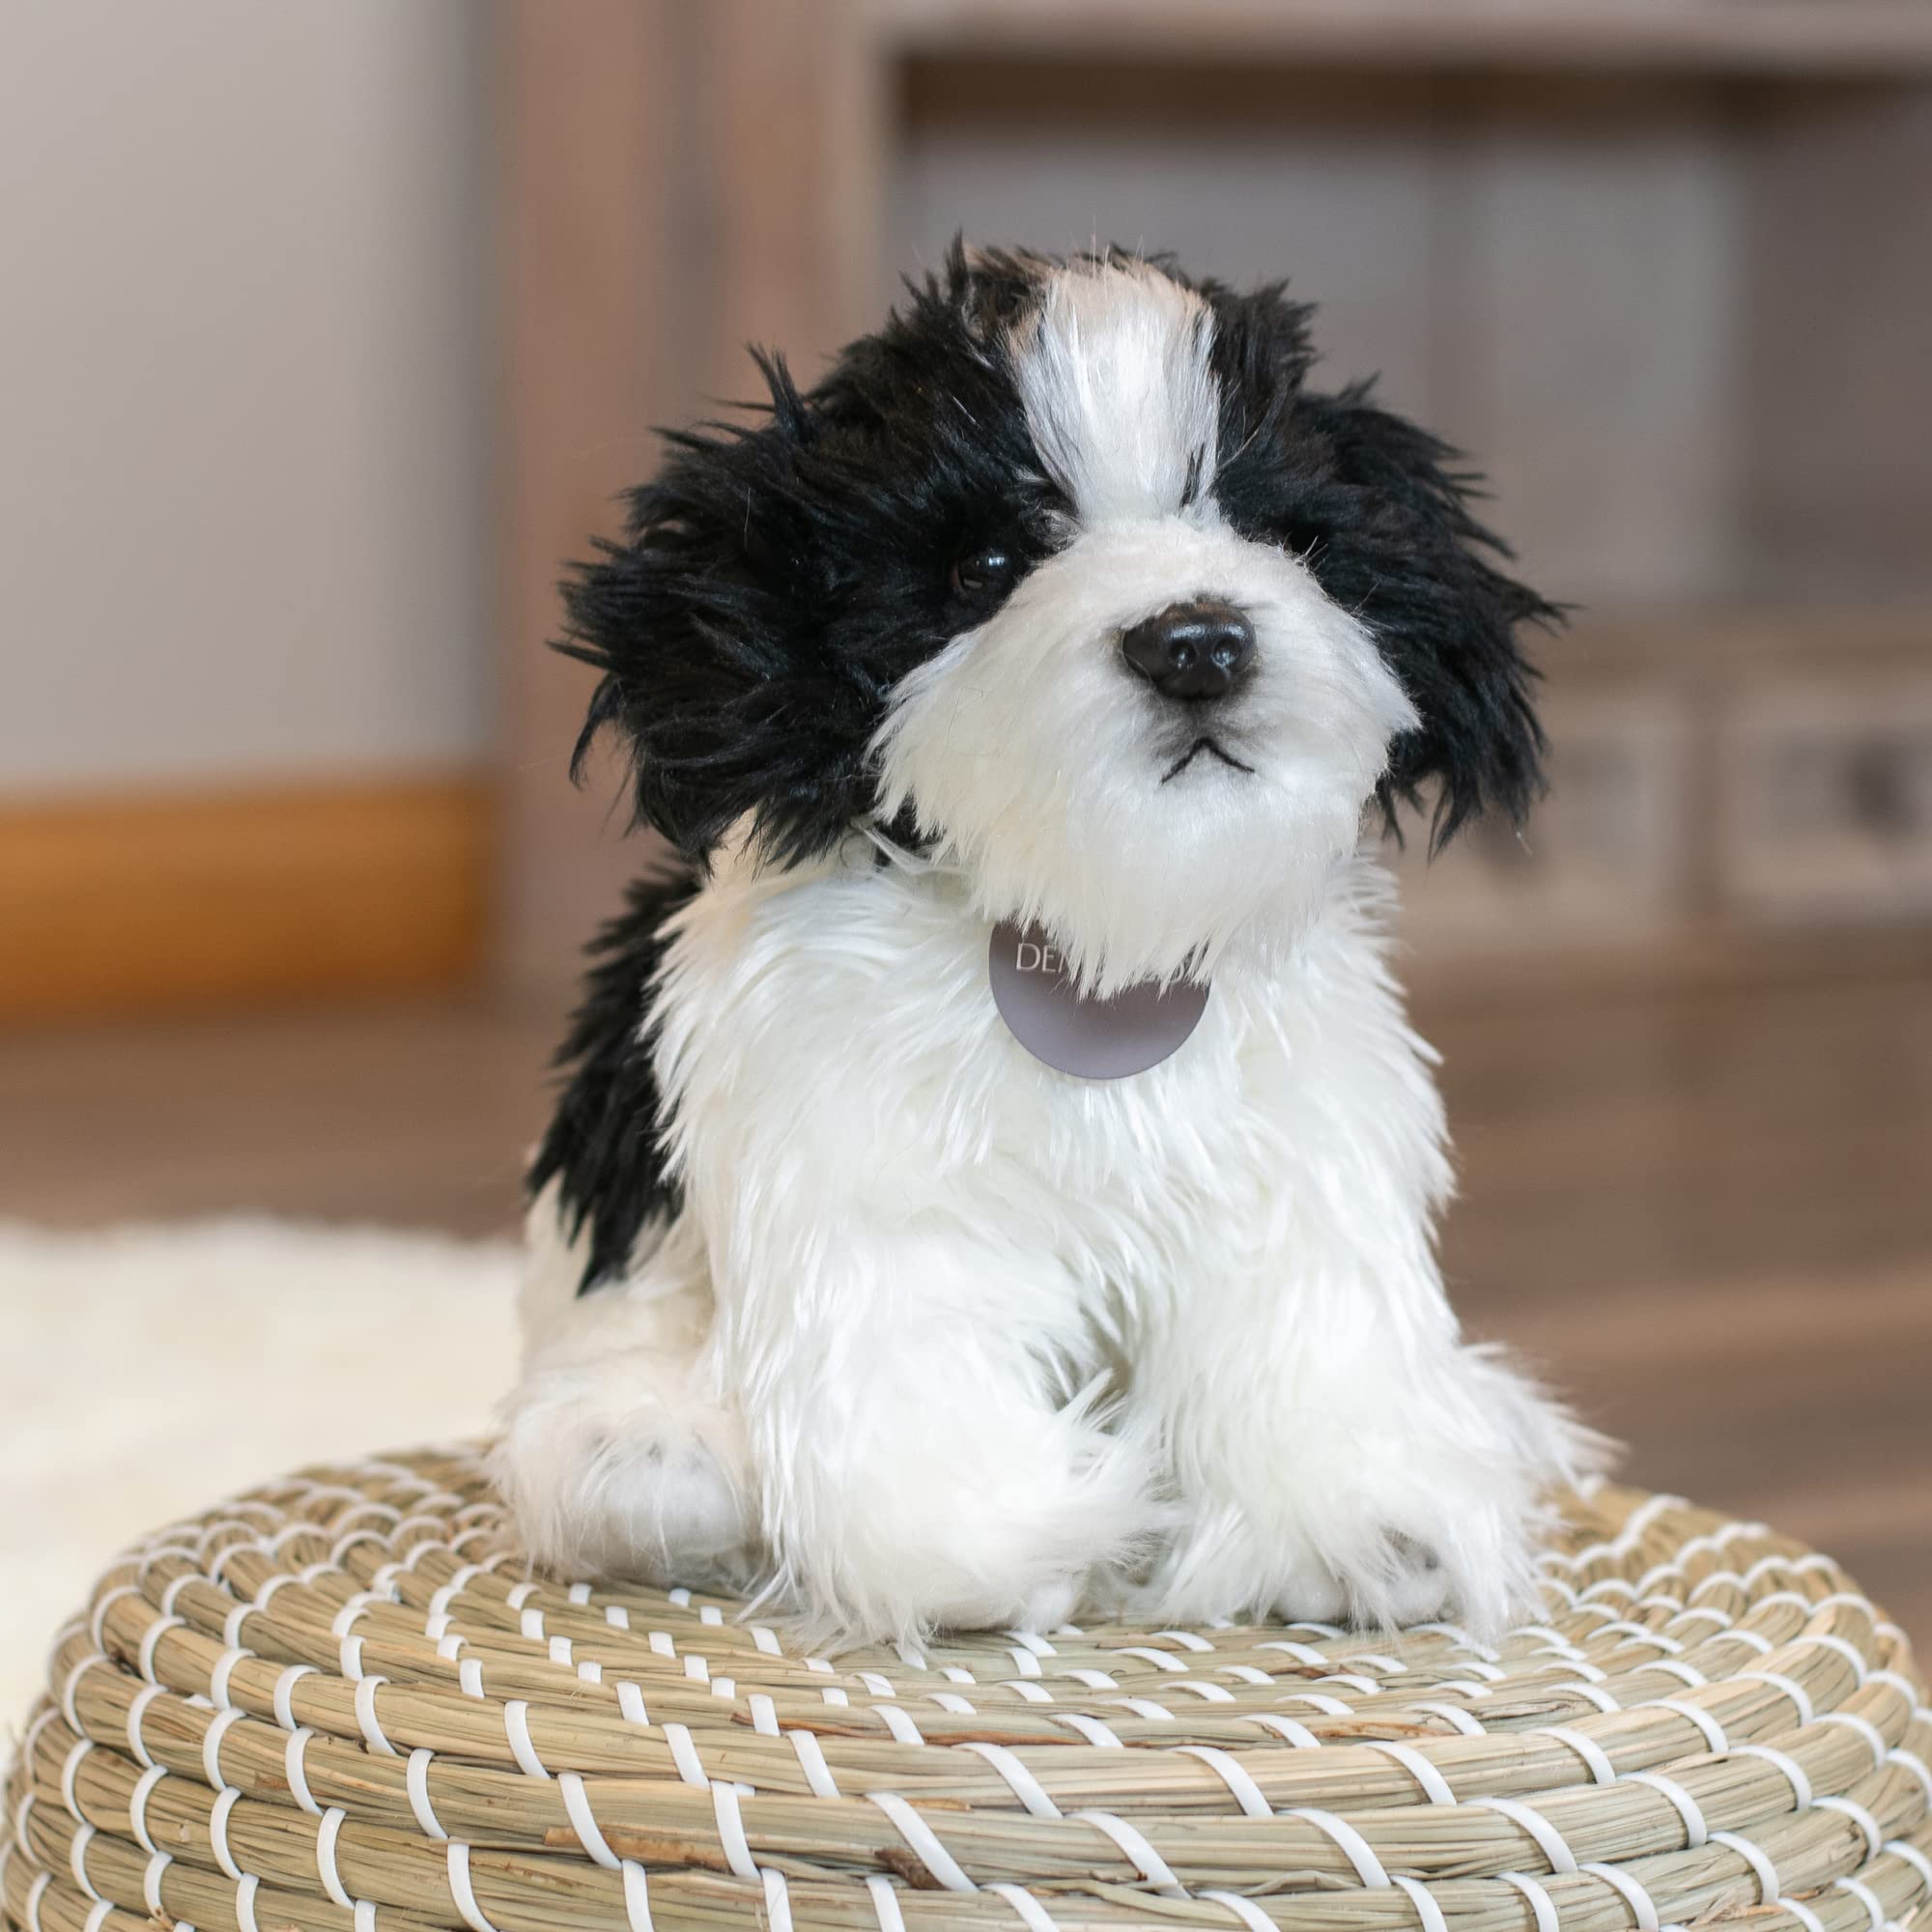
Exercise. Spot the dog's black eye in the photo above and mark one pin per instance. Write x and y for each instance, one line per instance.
(985, 574)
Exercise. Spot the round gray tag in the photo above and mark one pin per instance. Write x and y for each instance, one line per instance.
(1094, 1039)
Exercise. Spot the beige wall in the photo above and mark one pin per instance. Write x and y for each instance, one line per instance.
(242, 390)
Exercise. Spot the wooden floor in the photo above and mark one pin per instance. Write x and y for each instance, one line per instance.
(1708, 1215)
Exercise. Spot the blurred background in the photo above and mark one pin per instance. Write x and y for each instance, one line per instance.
(329, 331)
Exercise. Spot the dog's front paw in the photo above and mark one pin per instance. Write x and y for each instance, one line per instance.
(1425, 1503)
(1422, 1538)
(608, 1473)
(1346, 1562)
(1395, 1578)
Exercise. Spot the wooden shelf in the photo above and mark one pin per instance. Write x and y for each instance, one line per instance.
(1846, 38)
(1742, 637)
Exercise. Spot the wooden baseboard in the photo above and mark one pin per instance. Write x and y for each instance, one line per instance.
(172, 900)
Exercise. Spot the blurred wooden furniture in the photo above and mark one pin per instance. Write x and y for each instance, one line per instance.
(174, 901)
(1666, 267)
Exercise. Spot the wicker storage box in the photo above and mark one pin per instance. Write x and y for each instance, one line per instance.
(335, 1704)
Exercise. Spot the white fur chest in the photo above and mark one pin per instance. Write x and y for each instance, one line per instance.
(832, 1035)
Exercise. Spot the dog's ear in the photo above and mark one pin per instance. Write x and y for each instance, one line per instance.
(1407, 556)
(707, 621)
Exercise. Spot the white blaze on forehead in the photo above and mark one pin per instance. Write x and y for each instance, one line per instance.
(1113, 371)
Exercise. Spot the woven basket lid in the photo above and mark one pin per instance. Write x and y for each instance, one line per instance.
(337, 1704)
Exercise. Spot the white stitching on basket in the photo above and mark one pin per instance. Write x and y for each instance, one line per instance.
(1695, 1831)
(1090, 1727)
(684, 1754)
(72, 1686)
(1020, 1782)
(904, 1731)
(1133, 1846)
(1914, 1857)
(577, 1804)
(1860, 1669)
(296, 1768)
(151, 1639)
(1541, 1904)
(810, 1755)
(1424, 1900)
(1454, 1716)
(638, 1896)
(137, 1807)
(96, 1624)
(1435, 1788)
(1352, 1845)
(1864, 1896)
(1769, 1884)
(285, 1715)
(416, 1784)
(461, 1891)
(1799, 1698)
(1548, 1840)
(70, 1771)
(730, 1823)
(517, 1733)
(1782, 1761)
(1244, 1909)
(1713, 1732)
(1247, 1794)
(367, 1719)
(777, 1901)
(218, 1832)
(211, 1747)
(1601, 1771)
(83, 1836)
(151, 1885)
(224, 1669)
(1865, 1728)
(1803, 1914)
(885, 1903)
(325, 1835)
(1033, 1914)
(1860, 1817)
(923, 1840)
(1632, 1894)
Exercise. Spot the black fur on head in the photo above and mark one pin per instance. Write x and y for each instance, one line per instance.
(1378, 513)
(777, 580)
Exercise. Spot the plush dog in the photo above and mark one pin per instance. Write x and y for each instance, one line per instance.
(1026, 701)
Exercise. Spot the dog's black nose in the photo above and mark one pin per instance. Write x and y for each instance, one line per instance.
(1194, 650)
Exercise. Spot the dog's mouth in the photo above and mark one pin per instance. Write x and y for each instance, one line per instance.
(1214, 750)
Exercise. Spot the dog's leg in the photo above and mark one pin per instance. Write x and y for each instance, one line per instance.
(924, 1457)
(618, 1455)
(1339, 1470)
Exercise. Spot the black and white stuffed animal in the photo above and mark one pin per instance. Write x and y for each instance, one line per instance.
(1062, 614)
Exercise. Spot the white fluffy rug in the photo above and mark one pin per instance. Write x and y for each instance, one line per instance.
(146, 1371)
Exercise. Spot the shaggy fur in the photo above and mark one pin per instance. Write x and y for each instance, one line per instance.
(833, 1291)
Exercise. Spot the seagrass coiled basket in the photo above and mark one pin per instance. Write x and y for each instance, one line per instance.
(336, 1704)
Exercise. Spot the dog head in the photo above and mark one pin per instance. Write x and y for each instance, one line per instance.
(1069, 579)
